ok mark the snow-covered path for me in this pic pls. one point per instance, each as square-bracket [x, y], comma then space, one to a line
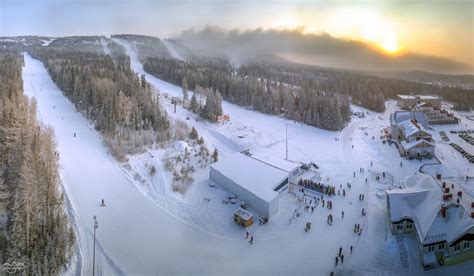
[133, 232]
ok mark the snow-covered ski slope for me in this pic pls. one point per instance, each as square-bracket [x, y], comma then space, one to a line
[136, 236]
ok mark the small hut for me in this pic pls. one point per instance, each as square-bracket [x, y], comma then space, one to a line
[243, 217]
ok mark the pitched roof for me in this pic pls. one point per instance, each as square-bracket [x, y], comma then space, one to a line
[408, 145]
[421, 200]
[400, 116]
[409, 127]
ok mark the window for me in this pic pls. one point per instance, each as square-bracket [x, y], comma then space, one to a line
[431, 248]
[466, 245]
[399, 227]
[441, 246]
[409, 225]
[457, 247]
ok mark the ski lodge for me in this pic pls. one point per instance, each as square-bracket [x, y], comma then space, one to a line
[259, 181]
[408, 130]
[442, 225]
[408, 101]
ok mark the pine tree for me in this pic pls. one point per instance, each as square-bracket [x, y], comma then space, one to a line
[194, 106]
[194, 134]
[215, 155]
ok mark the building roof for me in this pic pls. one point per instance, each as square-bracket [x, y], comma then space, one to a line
[282, 164]
[400, 116]
[408, 145]
[409, 127]
[252, 174]
[421, 200]
[418, 97]
[243, 213]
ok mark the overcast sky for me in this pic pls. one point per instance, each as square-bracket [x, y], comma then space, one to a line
[431, 27]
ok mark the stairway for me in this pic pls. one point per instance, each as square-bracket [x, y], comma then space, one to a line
[402, 249]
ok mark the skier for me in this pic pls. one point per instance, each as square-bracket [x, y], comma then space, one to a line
[74, 135]
[342, 259]
[351, 249]
[103, 203]
[401, 164]
[247, 235]
[343, 192]
[337, 260]
[340, 251]
[342, 214]
[363, 211]
[251, 240]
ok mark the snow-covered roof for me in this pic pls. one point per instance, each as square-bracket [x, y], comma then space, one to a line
[252, 174]
[279, 163]
[417, 97]
[421, 201]
[409, 127]
[408, 145]
[400, 116]
[243, 213]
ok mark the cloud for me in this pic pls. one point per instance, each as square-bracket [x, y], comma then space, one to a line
[242, 46]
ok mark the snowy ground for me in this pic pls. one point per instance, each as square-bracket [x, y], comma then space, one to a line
[146, 228]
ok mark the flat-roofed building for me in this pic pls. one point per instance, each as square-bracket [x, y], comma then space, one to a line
[258, 180]
[407, 102]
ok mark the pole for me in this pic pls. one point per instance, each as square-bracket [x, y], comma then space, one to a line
[96, 225]
[286, 142]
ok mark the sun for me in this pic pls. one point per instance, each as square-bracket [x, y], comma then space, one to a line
[389, 43]
[286, 23]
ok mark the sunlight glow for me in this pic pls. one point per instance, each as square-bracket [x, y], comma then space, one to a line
[389, 43]
[286, 23]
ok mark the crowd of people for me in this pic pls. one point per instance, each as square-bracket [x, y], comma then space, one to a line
[318, 187]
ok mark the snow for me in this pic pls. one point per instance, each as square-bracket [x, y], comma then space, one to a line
[419, 201]
[408, 145]
[104, 43]
[280, 163]
[148, 229]
[409, 127]
[243, 213]
[252, 175]
[400, 116]
[421, 97]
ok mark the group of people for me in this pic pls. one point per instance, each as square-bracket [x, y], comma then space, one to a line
[307, 227]
[357, 229]
[247, 237]
[330, 219]
[318, 187]
[328, 204]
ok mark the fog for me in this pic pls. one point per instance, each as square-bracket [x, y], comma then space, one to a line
[241, 46]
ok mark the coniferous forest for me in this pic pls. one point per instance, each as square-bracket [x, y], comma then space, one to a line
[35, 233]
[120, 104]
[303, 103]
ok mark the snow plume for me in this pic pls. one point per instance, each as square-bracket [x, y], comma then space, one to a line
[241, 46]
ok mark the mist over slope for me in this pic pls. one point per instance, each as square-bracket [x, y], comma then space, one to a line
[242, 46]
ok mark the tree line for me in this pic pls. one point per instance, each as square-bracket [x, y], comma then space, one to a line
[36, 232]
[121, 105]
[364, 90]
[304, 103]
